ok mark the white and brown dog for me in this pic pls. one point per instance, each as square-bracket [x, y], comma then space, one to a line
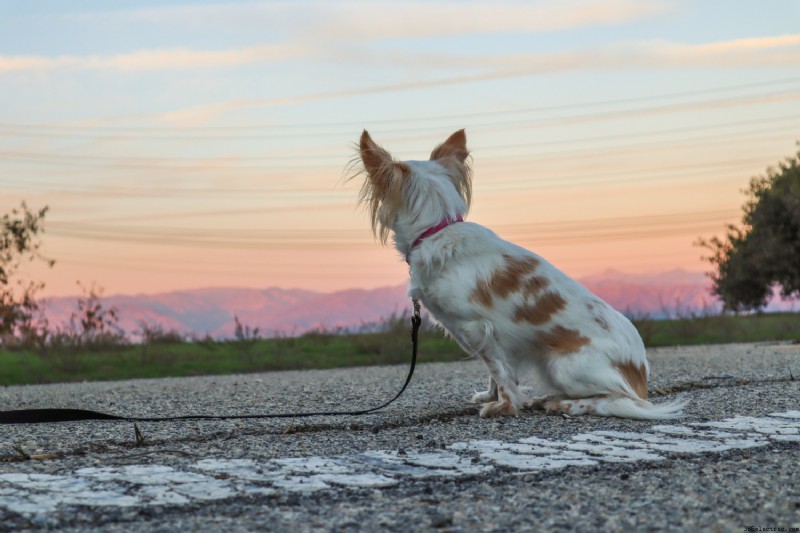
[505, 305]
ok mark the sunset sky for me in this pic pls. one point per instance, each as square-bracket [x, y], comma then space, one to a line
[194, 144]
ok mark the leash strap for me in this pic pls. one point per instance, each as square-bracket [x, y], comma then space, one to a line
[41, 416]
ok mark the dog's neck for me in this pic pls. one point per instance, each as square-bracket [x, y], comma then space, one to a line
[433, 230]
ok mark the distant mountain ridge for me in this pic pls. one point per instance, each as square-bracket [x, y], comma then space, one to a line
[277, 311]
[274, 311]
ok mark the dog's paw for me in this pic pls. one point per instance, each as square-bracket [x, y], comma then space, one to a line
[493, 409]
[484, 397]
[569, 407]
[536, 403]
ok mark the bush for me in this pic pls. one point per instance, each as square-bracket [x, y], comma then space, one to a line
[156, 334]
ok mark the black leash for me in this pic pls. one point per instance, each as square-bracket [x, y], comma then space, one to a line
[40, 416]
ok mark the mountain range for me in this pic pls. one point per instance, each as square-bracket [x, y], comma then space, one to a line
[277, 311]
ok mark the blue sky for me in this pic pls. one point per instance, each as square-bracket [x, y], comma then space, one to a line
[186, 144]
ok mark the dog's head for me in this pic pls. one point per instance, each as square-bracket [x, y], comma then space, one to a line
[407, 197]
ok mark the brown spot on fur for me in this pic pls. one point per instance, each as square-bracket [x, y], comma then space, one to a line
[561, 340]
[481, 294]
[635, 375]
[541, 310]
[510, 278]
[602, 322]
[505, 280]
[534, 285]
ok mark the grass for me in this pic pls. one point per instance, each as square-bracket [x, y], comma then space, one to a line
[314, 350]
[331, 350]
[719, 329]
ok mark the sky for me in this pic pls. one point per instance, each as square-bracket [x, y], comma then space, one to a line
[206, 144]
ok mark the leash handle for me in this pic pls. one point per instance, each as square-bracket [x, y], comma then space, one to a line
[40, 416]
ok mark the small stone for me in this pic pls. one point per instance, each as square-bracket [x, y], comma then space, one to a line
[440, 520]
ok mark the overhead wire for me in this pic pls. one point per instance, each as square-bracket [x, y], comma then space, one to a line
[425, 132]
[155, 162]
[420, 119]
[562, 232]
[499, 174]
[297, 269]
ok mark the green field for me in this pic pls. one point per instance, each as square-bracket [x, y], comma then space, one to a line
[329, 350]
[719, 329]
[316, 350]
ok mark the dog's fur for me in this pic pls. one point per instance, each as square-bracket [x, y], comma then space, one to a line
[503, 304]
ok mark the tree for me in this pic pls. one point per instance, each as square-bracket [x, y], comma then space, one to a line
[20, 232]
[765, 251]
[94, 324]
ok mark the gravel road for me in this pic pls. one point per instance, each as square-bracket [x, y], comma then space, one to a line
[426, 463]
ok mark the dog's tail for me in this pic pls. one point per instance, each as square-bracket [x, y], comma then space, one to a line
[625, 407]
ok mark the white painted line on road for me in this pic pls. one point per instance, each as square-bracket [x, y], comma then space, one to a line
[220, 478]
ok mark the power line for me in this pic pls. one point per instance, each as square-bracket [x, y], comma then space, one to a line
[575, 231]
[306, 271]
[636, 220]
[729, 163]
[337, 157]
[534, 180]
[417, 120]
[150, 162]
[610, 151]
[640, 134]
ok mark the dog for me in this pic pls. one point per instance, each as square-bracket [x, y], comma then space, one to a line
[503, 304]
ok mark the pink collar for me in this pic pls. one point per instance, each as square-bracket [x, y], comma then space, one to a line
[433, 230]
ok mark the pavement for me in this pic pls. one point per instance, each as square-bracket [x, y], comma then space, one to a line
[425, 463]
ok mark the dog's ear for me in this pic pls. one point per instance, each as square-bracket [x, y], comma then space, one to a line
[454, 146]
[377, 161]
[383, 189]
[452, 155]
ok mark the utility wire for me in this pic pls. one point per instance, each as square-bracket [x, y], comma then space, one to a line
[494, 181]
[226, 163]
[575, 231]
[417, 120]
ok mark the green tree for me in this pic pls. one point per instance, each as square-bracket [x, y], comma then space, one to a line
[765, 250]
[20, 239]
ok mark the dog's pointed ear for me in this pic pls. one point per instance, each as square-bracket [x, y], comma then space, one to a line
[376, 160]
[454, 146]
[383, 189]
